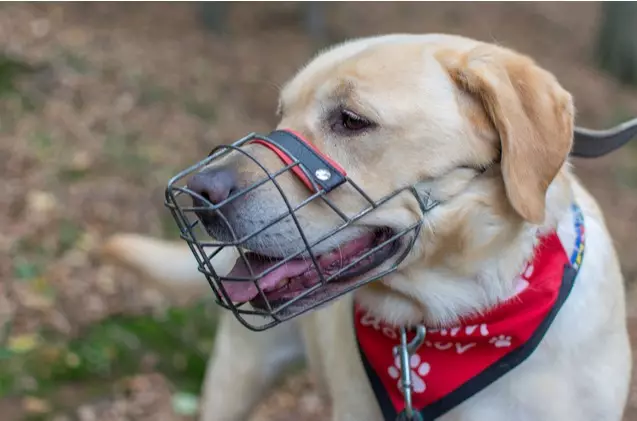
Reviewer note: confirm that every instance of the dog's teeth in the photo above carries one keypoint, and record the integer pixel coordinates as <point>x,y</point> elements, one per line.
<point>282,283</point>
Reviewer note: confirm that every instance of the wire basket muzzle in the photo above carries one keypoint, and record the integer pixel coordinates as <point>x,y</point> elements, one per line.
<point>265,291</point>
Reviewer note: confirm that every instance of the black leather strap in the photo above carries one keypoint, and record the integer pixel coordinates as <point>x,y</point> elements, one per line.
<point>595,143</point>
<point>312,160</point>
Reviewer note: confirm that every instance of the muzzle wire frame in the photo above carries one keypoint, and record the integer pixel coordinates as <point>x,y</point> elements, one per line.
<point>204,248</point>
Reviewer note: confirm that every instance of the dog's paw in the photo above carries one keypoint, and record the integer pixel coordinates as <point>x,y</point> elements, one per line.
<point>419,369</point>
<point>501,341</point>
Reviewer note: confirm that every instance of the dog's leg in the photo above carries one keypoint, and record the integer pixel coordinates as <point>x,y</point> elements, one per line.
<point>310,329</point>
<point>243,366</point>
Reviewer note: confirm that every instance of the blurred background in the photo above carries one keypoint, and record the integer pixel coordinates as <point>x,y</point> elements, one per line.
<point>100,103</point>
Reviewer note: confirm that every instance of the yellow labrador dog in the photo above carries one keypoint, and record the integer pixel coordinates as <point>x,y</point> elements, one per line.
<point>487,133</point>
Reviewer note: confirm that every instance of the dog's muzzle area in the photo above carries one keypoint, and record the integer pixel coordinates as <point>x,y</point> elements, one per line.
<point>255,211</point>
<point>288,262</point>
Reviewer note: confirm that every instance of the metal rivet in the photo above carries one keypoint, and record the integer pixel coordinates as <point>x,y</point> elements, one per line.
<point>323,174</point>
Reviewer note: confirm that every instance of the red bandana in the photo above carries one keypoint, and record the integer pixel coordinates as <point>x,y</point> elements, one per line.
<point>450,358</point>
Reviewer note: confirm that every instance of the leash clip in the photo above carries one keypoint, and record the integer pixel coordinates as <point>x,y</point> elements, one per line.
<point>404,351</point>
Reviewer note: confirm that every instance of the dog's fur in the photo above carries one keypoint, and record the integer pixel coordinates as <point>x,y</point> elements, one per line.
<point>444,107</point>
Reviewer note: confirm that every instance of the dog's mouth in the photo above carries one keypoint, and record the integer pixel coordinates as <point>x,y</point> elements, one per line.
<point>339,267</point>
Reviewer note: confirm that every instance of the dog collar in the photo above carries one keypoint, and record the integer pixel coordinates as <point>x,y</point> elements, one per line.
<point>453,364</point>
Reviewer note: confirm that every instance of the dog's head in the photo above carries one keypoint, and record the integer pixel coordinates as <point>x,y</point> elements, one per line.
<point>479,128</point>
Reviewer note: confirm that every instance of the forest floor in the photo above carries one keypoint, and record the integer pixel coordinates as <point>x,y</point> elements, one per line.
<point>101,103</point>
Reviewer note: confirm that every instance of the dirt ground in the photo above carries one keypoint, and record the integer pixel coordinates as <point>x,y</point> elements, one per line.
<point>100,103</point>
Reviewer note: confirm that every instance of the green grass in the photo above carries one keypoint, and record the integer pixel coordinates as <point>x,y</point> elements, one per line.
<point>75,61</point>
<point>179,341</point>
<point>69,175</point>
<point>169,228</point>
<point>202,109</point>
<point>151,93</point>
<point>68,235</point>
<point>41,141</point>
<point>30,257</point>
<point>11,69</point>
<point>125,156</point>
<point>26,269</point>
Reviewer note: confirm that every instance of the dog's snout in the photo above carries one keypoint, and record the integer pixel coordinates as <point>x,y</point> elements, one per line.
<point>215,185</point>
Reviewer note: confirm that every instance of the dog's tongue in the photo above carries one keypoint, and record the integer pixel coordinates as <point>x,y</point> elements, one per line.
<point>241,291</point>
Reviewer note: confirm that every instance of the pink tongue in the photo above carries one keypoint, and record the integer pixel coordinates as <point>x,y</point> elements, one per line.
<point>242,291</point>
<point>344,252</point>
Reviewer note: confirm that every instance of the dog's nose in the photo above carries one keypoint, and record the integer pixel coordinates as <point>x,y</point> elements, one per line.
<point>215,185</point>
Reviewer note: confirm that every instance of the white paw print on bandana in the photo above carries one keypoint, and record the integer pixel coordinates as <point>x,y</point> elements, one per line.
<point>418,371</point>
<point>501,341</point>
<point>528,272</point>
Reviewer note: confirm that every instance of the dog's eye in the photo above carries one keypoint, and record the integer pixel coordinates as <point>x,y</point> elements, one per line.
<point>353,121</point>
<point>348,122</point>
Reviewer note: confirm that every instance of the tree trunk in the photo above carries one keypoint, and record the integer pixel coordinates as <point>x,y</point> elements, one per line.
<point>617,43</point>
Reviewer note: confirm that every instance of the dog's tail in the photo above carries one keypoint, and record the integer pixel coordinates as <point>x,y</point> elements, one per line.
<point>169,266</point>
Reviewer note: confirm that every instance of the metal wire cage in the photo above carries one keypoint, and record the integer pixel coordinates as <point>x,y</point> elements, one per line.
<point>260,313</point>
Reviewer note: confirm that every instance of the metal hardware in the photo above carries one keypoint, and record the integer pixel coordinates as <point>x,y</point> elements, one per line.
<point>323,174</point>
<point>404,351</point>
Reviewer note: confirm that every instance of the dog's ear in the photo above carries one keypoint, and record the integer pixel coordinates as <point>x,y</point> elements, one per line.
<point>532,114</point>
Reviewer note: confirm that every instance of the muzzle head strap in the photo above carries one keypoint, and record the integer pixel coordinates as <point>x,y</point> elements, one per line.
<point>316,170</point>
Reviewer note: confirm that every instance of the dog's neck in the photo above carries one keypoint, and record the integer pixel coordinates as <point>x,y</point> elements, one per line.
<point>441,295</point>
